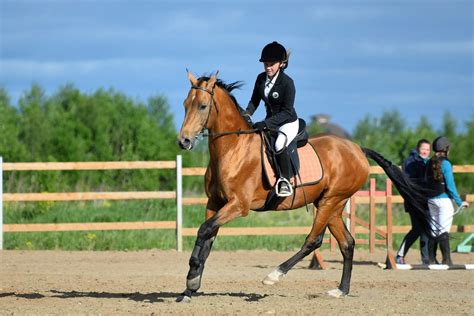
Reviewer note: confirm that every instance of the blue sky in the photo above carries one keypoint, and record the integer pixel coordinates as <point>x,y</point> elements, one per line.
<point>349,58</point>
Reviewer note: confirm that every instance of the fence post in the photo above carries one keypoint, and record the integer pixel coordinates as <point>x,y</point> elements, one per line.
<point>179,203</point>
<point>352,216</point>
<point>347,209</point>
<point>1,203</point>
<point>372,216</point>
<point>390,262</point>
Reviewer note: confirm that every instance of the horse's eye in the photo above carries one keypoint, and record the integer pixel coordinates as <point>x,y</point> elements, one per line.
<point>202,107</point>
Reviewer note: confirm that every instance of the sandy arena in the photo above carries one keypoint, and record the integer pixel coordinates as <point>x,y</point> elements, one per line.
<point>147,282</point>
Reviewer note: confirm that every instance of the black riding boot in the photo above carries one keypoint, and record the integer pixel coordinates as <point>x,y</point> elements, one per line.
<point>284,162</point>
<point>432,245</point>
<point>445,249</point>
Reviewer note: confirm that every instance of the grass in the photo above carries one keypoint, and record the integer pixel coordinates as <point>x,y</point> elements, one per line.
<point>164,210</point>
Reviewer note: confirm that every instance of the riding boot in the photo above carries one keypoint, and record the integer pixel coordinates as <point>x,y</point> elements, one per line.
<point>445,249</point>
<point>283,184</point>
<point>432,245</point>
<point>424,251</point>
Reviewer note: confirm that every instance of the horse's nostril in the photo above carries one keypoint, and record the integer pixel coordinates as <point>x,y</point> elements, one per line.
<point>185,143</point>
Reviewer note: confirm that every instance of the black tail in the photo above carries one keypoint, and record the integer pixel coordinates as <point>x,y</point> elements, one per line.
<point>416,197</point>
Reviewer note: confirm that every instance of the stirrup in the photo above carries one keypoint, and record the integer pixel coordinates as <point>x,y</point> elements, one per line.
<point>283,194</point>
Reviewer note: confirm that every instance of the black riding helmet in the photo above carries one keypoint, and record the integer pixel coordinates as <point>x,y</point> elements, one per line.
<point>441,143</point>
<point>274,52</point>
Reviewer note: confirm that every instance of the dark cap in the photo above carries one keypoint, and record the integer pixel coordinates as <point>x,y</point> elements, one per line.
<point>273,52</point>
<point>441,143</point>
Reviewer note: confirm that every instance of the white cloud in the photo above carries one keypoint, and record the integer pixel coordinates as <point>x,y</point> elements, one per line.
<point>34,68</point>
<point>343,12</point>
<point>447,47</point>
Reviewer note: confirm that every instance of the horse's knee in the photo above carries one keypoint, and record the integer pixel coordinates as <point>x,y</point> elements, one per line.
<point>206,231</point>
<point>347,247</point>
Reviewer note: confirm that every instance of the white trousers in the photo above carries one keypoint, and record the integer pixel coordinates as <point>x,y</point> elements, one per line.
<point>290,130</point>
<point>442,212</point>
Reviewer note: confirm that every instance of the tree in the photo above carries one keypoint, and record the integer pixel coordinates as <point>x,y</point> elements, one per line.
<point>10,147</point>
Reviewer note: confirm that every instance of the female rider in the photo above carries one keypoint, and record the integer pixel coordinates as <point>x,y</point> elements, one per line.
<point>440,181</point>
<point>277,91</point>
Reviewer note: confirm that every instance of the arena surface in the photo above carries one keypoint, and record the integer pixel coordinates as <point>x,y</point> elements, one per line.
<point>147,282</point>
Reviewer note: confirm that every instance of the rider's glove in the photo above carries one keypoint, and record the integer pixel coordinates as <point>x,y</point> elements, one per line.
<point>260,125</point>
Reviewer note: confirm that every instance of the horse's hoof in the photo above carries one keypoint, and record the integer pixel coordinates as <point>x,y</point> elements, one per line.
<point>273,277</point>
<point>183,299</point>
<point>336,293</point>
<point>194,284</point>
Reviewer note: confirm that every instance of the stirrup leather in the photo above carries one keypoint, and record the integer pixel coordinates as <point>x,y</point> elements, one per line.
<point>277,188</point>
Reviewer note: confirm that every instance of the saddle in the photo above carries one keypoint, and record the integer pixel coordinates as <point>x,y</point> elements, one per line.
<point>306,165</point>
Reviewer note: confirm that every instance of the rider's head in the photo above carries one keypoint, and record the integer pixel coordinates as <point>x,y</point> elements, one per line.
<point>274,57</point>
<point>441,145</point>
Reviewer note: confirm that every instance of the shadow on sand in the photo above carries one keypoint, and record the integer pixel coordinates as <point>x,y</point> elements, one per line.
<point>158,297</point>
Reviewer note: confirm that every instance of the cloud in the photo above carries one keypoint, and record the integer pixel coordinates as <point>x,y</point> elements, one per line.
<point>344,12</point>
<point>34,68</point>
<point>447,47</point>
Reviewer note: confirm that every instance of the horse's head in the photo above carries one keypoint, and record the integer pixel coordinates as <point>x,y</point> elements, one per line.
<point>198,109</point>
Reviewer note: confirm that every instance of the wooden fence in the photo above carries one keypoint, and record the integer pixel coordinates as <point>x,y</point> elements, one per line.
<point>370,197</point>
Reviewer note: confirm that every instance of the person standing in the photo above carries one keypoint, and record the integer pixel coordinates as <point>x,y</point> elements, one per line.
<point>415,168</point>
<point>440,182</point>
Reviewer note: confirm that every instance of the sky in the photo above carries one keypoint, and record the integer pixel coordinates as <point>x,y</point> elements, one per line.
<point>349,58</point>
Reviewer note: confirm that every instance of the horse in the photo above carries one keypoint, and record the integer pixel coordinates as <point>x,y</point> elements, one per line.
<point>234,183</point>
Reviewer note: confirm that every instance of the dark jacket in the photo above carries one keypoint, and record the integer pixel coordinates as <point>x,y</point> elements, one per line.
<point>280,103</point>
<point>436,187</point>
<point>415,167</point>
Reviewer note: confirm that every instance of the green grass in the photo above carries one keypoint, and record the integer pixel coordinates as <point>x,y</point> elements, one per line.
<point>164,210</point>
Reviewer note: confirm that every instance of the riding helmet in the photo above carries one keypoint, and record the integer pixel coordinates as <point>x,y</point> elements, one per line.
<point>273,52</point>
<point>441,143</point>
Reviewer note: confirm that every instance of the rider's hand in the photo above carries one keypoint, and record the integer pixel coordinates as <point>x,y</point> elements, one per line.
<point>260,125</point>
<point>464,204</point>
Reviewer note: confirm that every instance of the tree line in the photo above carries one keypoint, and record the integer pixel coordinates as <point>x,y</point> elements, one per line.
<point>108,125</point>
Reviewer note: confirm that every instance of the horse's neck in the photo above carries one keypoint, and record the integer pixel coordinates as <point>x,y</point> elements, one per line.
<point>227,119</point>
<point>227,116</point>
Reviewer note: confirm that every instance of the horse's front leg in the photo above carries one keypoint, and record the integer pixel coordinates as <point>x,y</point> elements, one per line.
<point>202,248</point>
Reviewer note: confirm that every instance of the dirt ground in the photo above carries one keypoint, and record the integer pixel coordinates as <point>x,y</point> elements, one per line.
<point>148,282</point>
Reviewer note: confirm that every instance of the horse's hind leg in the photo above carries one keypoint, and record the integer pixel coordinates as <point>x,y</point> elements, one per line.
<point>326,209</point>
<point>309,246</point>
<point>346,244</point>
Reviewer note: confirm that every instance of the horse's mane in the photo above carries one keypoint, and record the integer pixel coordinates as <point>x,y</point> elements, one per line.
<point>228,87</point>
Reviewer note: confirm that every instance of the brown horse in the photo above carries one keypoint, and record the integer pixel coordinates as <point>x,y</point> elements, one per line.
<point>234,182</point>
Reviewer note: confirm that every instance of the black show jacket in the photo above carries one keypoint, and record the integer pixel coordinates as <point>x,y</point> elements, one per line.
<point>280,103</point>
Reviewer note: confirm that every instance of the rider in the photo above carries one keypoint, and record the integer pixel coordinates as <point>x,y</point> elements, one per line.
<point>440,181</point>
<point>277,91</point>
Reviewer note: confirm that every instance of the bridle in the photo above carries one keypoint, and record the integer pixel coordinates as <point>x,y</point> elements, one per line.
<point>211,92</point>
<point>204,126</point>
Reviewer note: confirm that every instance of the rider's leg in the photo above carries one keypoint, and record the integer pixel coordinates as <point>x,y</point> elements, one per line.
<point>287,134</point>
<point>284,162</point>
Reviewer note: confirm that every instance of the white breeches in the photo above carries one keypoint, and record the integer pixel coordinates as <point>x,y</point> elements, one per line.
<point>442,212</point>
<point>290,130</point>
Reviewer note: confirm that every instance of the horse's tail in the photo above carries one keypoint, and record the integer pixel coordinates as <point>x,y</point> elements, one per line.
<point>416,197</point>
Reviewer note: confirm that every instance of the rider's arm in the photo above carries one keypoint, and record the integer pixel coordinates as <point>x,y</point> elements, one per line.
<point>255,100</point>
<point>447,170</point>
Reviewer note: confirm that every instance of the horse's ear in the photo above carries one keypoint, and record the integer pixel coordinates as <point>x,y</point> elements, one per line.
<point>191,78</point>
<point>212,81</point>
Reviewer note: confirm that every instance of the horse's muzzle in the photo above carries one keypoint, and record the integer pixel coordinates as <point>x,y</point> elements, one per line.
<point>185,143</point>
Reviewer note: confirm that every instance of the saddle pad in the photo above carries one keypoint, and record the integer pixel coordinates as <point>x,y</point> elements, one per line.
<point>311,170</point>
